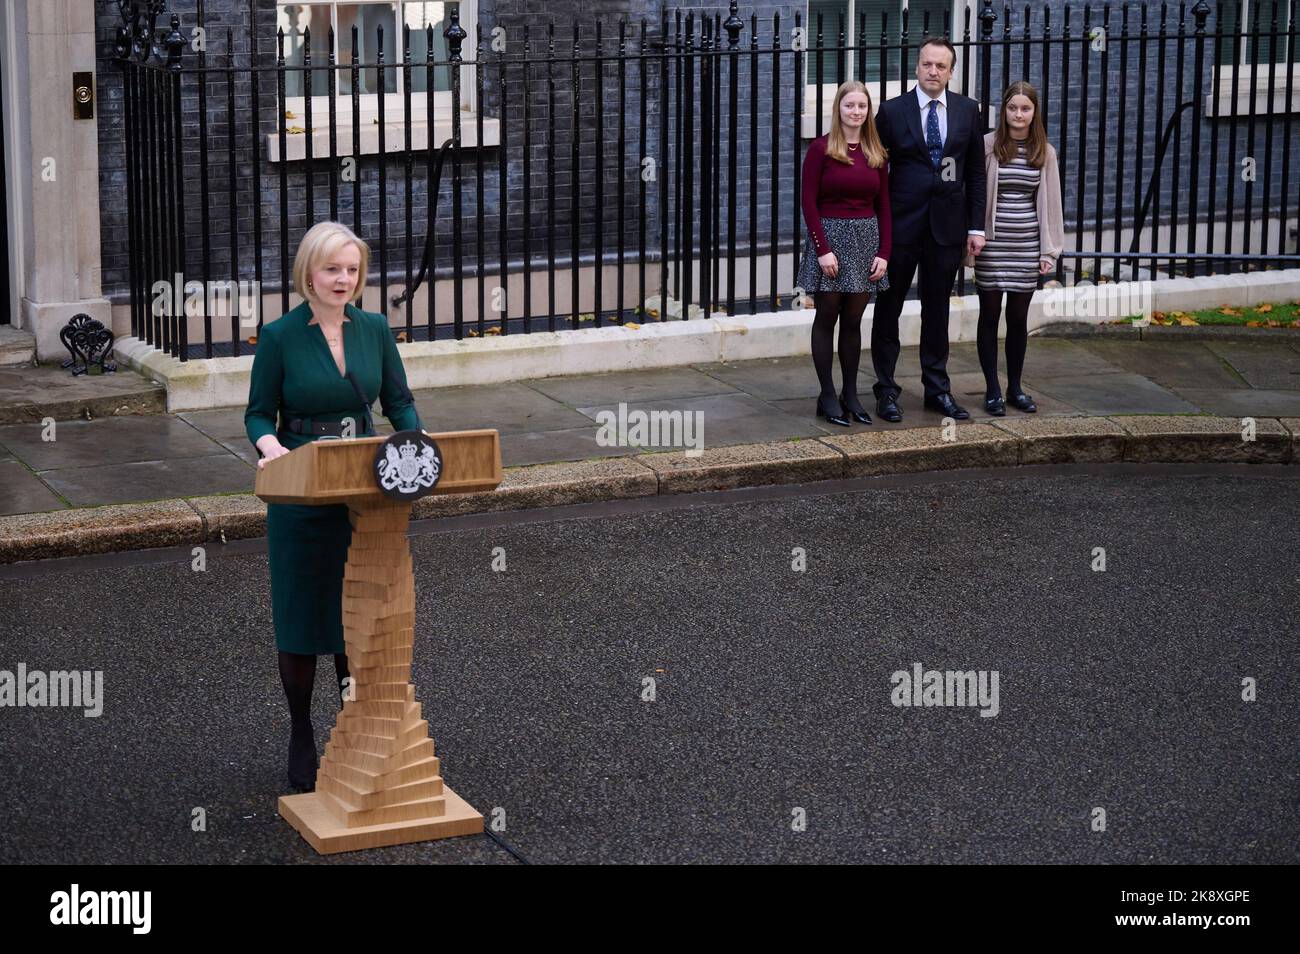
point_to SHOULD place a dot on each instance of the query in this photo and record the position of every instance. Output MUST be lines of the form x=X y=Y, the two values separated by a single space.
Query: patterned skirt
x=855 y=242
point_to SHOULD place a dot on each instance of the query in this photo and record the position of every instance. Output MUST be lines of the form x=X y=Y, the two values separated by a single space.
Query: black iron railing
x=671 y=156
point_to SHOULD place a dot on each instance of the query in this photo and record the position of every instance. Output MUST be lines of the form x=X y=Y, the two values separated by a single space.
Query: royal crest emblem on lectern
x=408 y=465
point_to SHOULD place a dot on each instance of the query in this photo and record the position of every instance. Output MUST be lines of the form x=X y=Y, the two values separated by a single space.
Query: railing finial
x=733 y=26
x=455 y=34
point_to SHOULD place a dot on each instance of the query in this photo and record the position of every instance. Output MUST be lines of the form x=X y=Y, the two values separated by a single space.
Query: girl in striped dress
x=1024 y=237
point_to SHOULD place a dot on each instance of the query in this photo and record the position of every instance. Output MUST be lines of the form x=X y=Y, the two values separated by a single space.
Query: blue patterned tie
x=932 y=139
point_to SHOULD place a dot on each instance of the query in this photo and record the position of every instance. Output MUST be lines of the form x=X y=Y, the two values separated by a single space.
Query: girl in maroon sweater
x=846 y=208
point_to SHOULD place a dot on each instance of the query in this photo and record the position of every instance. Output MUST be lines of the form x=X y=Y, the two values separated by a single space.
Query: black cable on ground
x=519 y=855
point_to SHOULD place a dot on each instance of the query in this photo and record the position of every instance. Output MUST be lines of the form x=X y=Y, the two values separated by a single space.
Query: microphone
x=365 y=402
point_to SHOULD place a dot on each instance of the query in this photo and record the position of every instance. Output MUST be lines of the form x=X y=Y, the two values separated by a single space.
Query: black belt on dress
x=306 y=425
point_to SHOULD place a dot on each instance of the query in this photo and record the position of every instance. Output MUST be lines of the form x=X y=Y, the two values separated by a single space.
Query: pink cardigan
x=1051 y=219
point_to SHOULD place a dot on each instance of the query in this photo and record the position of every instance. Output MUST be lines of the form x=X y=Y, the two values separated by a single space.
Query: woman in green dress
x=309 y=367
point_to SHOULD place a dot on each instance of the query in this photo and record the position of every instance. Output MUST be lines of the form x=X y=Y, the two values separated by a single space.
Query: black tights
x=1017 y=338
x=298 y=674
x=847 y=309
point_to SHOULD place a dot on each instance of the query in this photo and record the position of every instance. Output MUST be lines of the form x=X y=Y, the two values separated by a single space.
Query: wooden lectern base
x=313 y=819
x=380 y=782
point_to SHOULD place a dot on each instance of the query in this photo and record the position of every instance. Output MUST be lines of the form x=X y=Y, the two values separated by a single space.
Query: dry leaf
x=494 y=330
x=295 y=130
x=1264 y=309
x=631 y=324
x=1186 y=319
x=1273 y=323
x=1254 y=324
x=1225 y=310
x=652 y=312
x=1157 y=316
x=473 y=333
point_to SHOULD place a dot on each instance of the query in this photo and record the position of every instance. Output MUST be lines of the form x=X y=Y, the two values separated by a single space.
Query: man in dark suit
x=935 y=140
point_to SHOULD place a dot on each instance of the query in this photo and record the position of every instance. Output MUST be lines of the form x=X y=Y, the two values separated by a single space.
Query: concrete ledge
x=1066 y=440
x=745 y=465
x=62 y=533
x=548 y=485
x=1202 y=291
x=873 y=453
x=1163 y=439
x=231 y=516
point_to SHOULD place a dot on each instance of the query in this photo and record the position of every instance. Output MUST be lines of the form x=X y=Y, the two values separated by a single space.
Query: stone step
x=17 y=347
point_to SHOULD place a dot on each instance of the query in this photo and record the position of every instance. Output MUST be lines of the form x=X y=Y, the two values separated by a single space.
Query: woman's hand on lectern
x=271 y=448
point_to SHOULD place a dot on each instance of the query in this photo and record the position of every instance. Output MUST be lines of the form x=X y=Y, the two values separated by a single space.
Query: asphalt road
x=1118 y=690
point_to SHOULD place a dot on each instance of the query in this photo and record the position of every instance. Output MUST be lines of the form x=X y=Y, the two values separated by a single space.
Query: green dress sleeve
x=395 y=398
x=264 y=388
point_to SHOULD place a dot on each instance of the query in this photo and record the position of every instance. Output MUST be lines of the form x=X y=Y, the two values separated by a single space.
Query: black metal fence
x=700 y=203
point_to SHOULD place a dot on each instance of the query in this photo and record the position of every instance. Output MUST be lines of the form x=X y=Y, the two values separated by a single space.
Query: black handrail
x=428 y=239
x=1138 y=222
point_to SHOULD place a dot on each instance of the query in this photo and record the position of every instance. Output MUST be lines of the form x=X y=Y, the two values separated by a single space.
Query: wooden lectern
x=379 y=781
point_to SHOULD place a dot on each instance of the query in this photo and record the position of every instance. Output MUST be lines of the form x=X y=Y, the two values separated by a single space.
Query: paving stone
x=21 y=491
x=151 y=480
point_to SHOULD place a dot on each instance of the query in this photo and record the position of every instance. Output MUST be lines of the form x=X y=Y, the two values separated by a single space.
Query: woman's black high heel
x=1022 y=401
x=834 y=417
x=853 y=408
x=302 y=760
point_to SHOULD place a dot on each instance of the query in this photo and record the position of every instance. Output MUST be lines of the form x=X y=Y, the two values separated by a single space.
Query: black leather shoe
x=302 y=760
x=995 y=406
x=1022 y=402
x=887 y=408
x=831 y=413
x=944 y=404
x=853 y=408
